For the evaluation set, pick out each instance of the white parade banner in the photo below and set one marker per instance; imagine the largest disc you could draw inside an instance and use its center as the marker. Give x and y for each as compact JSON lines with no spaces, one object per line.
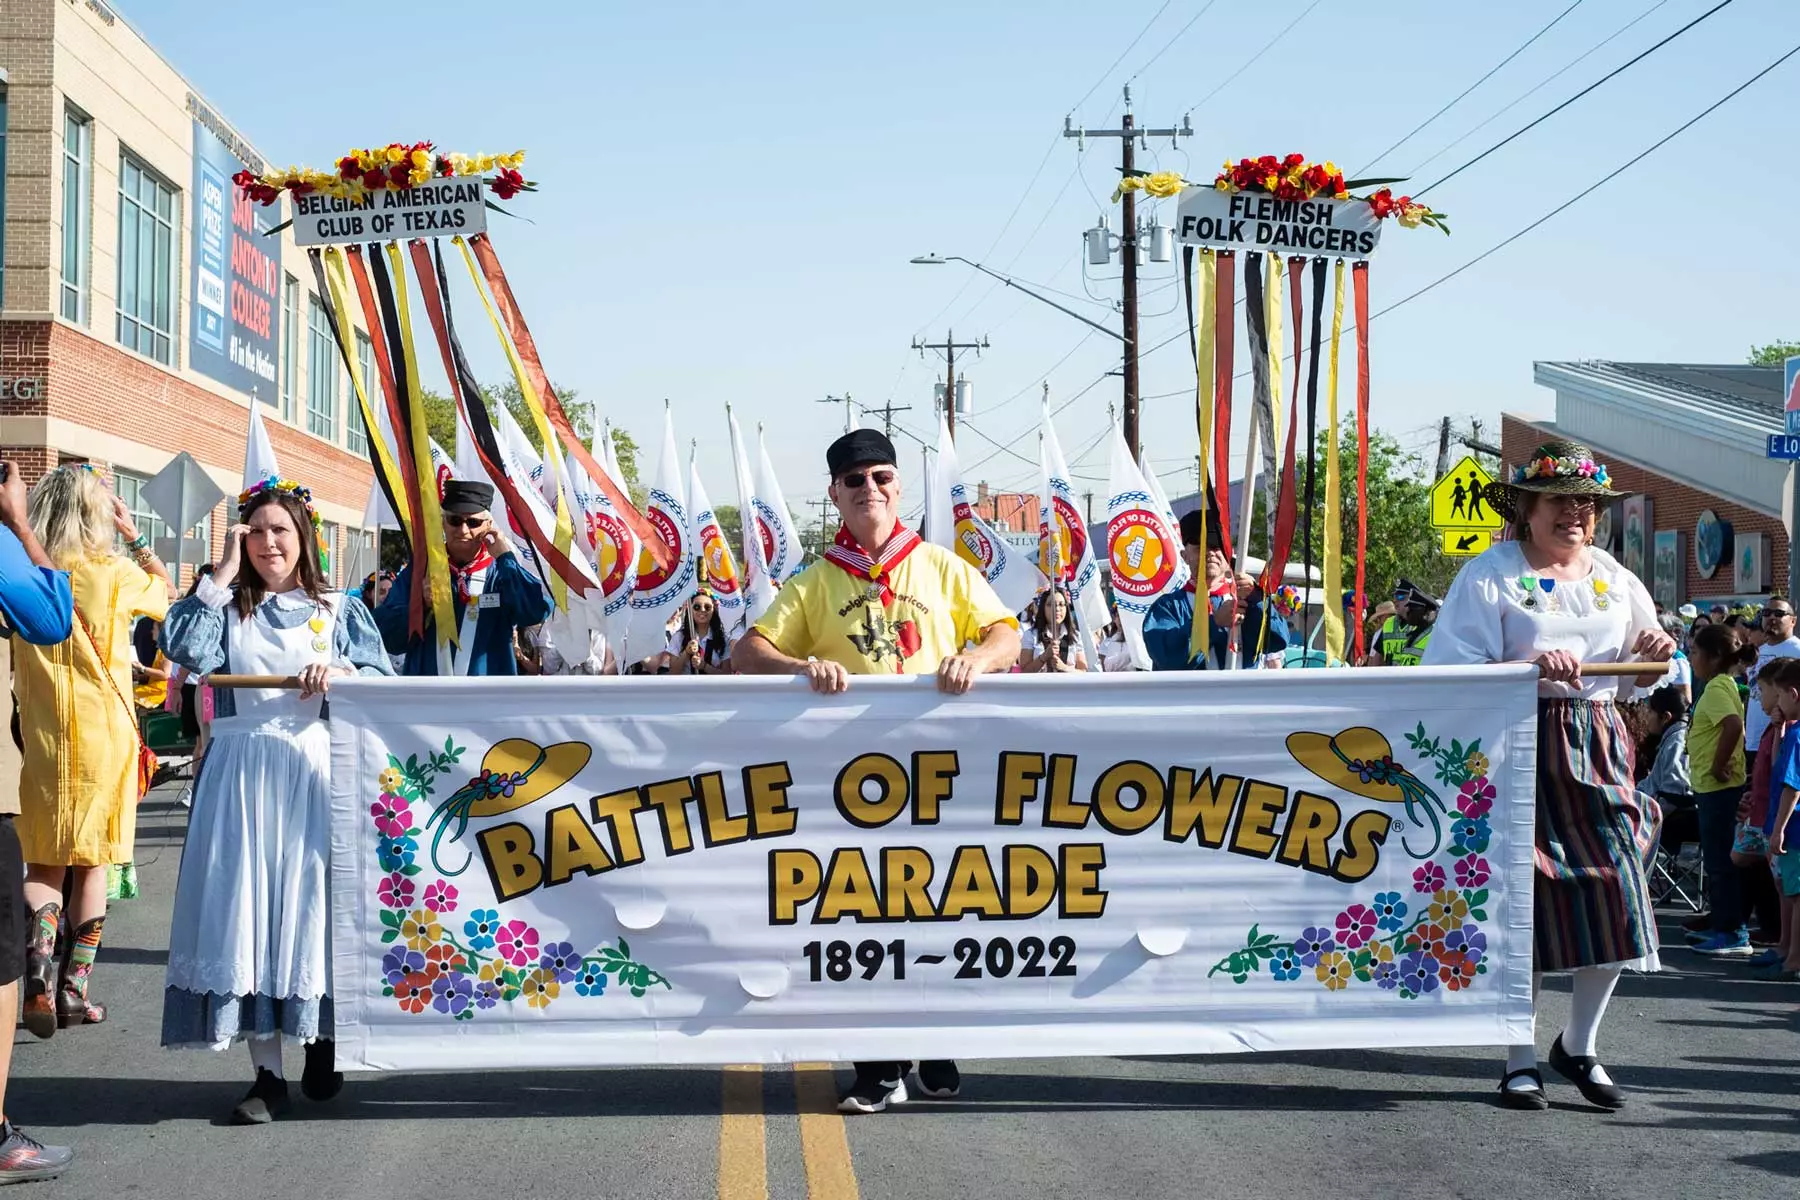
{"x":1258,"y":221}
{"x":583,"y":872}
{"x":438,"y":209}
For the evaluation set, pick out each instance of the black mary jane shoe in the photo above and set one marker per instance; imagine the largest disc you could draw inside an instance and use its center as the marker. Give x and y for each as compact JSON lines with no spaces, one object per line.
{"x":1531,"y":1099}
{"x":1579,"y":1071}
{"x":266,"y":1100}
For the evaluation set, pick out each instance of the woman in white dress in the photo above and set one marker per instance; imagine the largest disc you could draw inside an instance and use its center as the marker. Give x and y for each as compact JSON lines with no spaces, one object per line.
{"x":1549,"y":597}
{"x":247,"y":955}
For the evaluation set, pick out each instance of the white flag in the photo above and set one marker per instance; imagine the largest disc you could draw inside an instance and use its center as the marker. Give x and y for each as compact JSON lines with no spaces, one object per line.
{"x":759,"y":591}
{"x":1063,"y":550}
{"x":716,"y":559}
{"x":774,"y":523}
{"x":466,"y":462}
{"x":1143,"y":543}
{"x":951,"y":522}
{"x":1182,"y":574}
{"x":614,"y":546}
{"x":259,"y":455}
{"x":660,"y":591}
{"x":517,"y":459}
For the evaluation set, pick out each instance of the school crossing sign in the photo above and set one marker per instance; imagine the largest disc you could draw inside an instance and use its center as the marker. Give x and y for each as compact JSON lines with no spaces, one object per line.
{"x":1460,"y":510}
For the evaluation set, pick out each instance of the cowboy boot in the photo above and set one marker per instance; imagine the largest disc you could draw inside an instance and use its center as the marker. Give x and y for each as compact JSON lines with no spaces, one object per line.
{"x":72,"y":1004}
{"x":40,"y":961}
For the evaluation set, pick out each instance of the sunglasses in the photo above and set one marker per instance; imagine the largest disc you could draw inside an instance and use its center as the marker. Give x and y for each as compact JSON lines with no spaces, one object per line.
{"x":702,"y":606}
{"x":472,"y":522}
{"x":855,"y":479}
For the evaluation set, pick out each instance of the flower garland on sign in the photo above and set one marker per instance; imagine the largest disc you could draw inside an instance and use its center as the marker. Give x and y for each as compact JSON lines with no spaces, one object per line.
{"x":1563,"y":468}
{"x":393,"y":167}
{"x":1292,"y":178}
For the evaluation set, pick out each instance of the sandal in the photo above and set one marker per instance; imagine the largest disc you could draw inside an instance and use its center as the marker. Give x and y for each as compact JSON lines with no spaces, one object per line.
{"x":1532,"y":1098}
{"x":1579,"y":1071}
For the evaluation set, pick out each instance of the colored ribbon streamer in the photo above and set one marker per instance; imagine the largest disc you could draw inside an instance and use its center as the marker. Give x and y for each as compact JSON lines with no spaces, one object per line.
{"x":1224,"y":343}
{"x":552,"y":407}
{"x":1312,"y":425}
{"x":1200,"y":634}
{"x":1286,"y":509}
{"x":434,"y":287}
{"x":1334,"y":514}
{"x":373,"y":322}
{"x":431,"y":515}
{"x":565,"y":527}
{"x":1271,"y":476}
{"x":1359,"y":277}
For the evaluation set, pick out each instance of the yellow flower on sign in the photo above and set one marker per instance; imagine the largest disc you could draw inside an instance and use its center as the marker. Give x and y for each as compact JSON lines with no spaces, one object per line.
{"x":1334,"y":971}
{"x":394,"y":155}
{"x":1163,"y":183}
{"x":540,"y":988}
{"x":1412,"y":215}
{"x":1476,"y":763}
{"x":421,"y":160}
{"x":513,"y":161}
{"x":420,"y":929}
{"x":492,"y":970}
{"x":390,"y":779}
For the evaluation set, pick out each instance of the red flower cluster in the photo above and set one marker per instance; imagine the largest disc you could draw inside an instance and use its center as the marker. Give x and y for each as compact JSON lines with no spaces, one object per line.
{"x":1289,"y":178}
{"x":255,"y":188}
{"x":508,"y":183}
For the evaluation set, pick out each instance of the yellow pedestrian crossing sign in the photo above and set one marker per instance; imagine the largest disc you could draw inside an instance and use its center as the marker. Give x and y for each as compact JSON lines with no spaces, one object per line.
{"x":1457,"y":502}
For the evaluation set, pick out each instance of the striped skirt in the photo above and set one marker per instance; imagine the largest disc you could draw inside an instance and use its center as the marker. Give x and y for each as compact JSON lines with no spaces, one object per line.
{"x":1595,"y":835}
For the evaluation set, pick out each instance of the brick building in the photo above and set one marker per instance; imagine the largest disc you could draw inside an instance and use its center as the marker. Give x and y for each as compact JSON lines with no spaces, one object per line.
{"x":142,"y":309}
{"x":1687,"y":444}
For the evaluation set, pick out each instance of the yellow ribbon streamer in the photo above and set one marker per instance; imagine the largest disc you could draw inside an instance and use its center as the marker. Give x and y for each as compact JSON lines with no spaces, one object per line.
{"x":1206,"y":351}
{"x":565,"y":526}
{"x":431,"y":515}
{"x":338,"y":281}
{"x":1334,"y":552}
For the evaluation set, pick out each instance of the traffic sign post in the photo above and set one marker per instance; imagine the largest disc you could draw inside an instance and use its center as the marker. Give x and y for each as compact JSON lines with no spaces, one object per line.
{"x":1784,"y":445}
{"x":181,"y":494}
{"x":1461,"y":512}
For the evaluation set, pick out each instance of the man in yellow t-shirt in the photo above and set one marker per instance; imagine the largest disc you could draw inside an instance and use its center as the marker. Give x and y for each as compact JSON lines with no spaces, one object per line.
{"x":881,"y":602}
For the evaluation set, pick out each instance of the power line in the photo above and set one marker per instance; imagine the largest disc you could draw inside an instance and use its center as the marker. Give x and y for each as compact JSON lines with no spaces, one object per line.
{"x":1542,"y":84}
{"x":1462,"y":94}
{"x":1257,"y":57}
{"x":1614,"y":73}
{"x":1178,"y":35}
{"x":1127,"y":50}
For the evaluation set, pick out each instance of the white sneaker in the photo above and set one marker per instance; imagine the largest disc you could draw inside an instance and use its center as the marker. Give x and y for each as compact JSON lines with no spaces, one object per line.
{"x":873,"y":1095}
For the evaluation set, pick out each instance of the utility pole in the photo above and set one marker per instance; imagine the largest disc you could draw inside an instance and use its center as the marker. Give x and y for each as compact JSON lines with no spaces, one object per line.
{"x":823,"y":504}
{"x":948,"y":348}
{"x":1129,"y":133}
{"x":887,"y":412}
{"x":1443,"y":464}
{"x":843,"y":400}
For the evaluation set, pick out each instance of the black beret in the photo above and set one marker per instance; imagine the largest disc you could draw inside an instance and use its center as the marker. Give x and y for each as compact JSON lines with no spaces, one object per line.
{"x":858,"y":448}
{"x":465,"y":496}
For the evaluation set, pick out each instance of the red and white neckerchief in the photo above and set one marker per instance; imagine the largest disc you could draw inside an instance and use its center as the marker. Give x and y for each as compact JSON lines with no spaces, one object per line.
{"x":847,"y":553}
{"x":461,"y":577}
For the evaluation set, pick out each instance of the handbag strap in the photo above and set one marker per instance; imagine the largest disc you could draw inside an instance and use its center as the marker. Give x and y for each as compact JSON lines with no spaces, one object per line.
{"x":106,"y":670}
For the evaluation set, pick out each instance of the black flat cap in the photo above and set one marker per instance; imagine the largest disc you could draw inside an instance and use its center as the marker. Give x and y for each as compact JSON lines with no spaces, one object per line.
{"x":465,"y":496}
{"x":858,"y":448}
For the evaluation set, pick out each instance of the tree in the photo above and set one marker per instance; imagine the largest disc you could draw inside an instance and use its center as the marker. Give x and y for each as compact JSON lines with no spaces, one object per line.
{"x":1773,"y":354}
{"x":731,"y":528}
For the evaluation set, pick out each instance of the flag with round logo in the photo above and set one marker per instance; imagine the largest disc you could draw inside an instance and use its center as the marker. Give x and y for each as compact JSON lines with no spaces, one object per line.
{"x":1064,"y":554}
{"x":774,"y":523}
{"x":659,"y":591}
{"x":759,"y":588}
{"x":718,"y":566}
{"x":609,"y":540}
{"x":1143,"y":544}
{"x":951,"y":522}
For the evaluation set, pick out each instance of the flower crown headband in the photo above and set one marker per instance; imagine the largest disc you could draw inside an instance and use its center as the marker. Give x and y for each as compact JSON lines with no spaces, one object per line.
{"x":302,"y":494}
{"x":1563,"y":468}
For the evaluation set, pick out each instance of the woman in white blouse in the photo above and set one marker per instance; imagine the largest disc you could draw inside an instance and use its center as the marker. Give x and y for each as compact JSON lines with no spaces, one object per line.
{"x":1549,"y":597}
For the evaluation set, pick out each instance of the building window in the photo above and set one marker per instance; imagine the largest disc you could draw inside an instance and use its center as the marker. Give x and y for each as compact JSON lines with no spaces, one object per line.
{"x":321,"y":372}
{"x":356,"y":433}
{"x":78,"y":183}
{"x":289,"y":368}
{"x":146,"y":261}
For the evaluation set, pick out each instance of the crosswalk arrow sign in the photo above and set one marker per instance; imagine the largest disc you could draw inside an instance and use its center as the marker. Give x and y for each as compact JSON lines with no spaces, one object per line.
{"x":1457,"y":501}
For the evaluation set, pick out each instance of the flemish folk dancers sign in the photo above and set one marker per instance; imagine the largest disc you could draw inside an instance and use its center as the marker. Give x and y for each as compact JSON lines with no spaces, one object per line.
{"x":543,"y":873}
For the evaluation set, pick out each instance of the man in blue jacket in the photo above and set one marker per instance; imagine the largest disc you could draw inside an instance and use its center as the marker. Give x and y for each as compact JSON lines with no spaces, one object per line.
{"x":35,"y":605}
{"x":1171,"y":617}
{"x":494,"y":595}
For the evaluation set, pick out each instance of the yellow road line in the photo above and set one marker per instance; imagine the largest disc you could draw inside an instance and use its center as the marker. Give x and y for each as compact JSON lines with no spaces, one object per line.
{"x":743,"y":1163}
{"x":829,"y":1172}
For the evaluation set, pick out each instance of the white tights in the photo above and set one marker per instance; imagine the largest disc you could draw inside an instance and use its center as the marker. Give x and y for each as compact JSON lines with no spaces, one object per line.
{"x":265,"y":1054}
{"x":1592,"y":991}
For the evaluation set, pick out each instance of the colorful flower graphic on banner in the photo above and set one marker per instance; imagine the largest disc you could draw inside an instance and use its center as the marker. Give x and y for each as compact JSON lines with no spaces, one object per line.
{"x":455,"y":962}
{"x":1409,"y":943}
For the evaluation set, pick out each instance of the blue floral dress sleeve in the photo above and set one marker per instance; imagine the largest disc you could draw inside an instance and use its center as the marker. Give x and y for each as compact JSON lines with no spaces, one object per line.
{"x":193,"y":632}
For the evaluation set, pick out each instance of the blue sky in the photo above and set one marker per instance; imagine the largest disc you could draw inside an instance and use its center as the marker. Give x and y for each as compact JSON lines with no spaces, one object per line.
{"x":730,"y":193}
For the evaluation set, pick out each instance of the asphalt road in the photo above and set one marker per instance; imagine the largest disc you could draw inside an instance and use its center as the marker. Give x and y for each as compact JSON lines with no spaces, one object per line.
{"x":1713,"y":1062}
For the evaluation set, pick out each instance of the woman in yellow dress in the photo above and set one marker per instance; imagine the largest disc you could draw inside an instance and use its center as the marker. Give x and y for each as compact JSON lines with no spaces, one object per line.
{"x":78,"y":791}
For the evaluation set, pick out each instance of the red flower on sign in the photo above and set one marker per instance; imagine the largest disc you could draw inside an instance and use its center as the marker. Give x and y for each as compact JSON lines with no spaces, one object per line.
{"x":508,"y":184}
{"x":1382,"y":203}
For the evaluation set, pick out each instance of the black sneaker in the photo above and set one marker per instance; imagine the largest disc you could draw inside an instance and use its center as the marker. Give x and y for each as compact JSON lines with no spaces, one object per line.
{"x":321,"y":1080}
{"x":871,"y":1095}
{"x":24,"y":1159}
{"x":939,"y":1079}
{"x":266,"y":1100}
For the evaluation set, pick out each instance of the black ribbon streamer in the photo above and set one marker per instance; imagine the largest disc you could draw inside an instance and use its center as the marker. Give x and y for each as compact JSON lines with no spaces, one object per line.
{"x":331,"y":315}
{"x":1312,"y":428}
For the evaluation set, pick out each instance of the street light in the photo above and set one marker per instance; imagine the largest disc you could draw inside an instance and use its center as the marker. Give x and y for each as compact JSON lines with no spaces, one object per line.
{"x":933,"y":260}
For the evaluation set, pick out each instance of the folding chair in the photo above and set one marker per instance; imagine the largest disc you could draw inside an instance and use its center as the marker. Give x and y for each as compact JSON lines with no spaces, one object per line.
{"x":1677,"y":872}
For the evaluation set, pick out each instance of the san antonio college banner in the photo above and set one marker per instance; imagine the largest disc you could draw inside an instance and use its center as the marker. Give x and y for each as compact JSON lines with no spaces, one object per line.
{"x":563,"y":873}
